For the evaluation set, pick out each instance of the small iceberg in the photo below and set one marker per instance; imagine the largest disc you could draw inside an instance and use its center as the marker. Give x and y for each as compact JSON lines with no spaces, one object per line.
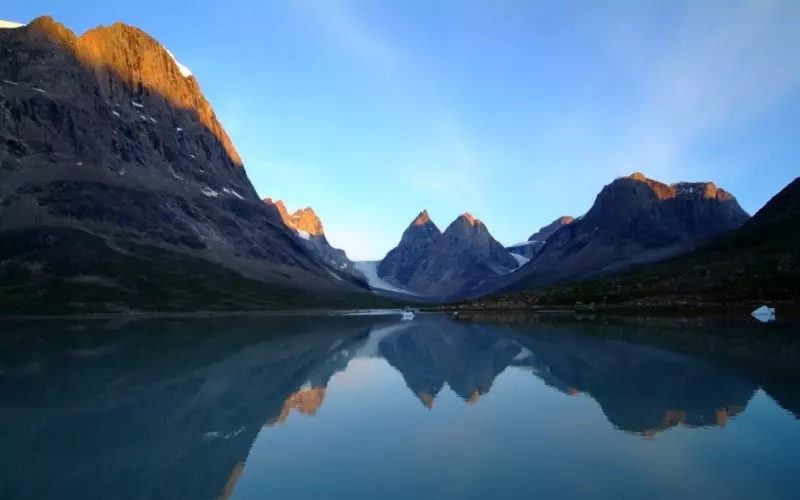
{"x":764,"y":314}
{"x":407,"y":315}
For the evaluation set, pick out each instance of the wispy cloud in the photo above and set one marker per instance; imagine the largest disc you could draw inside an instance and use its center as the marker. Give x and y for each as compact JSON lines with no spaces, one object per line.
{"x":349,"y":30}
{"x":721,"y":67}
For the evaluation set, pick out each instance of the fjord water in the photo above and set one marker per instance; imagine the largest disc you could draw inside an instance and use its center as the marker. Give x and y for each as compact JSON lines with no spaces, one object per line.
{"x":371,"y":407}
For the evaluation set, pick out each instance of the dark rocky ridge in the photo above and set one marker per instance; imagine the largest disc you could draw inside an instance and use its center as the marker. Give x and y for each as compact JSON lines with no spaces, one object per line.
{"x":464,"y":255}
{"x":441,"y":265}
{"x":102,"y":134}
{"x":756,"y":264}
{"x":633,"y":220}
{"x":308,"y":226}
{"x":537,"y":240}
{"x":400,"y":264}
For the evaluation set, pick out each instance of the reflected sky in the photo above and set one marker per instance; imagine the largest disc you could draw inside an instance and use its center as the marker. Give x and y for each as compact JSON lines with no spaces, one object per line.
{"x":366,"y":407}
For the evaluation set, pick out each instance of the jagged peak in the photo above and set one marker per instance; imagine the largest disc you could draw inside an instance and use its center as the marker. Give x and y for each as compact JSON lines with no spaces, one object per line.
{"x":427,"y":399}
{"x":422,"y":219}
{"x":664,"y":191}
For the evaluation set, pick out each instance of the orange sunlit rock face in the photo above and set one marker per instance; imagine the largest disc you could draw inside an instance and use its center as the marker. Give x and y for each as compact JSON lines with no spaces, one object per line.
{"x":123,"y":54}
{"x":426,"y":399}
{"x":305,"y":401}
{"x":422,"y":219}
{"x":227,"y":491}
{"x":472,"y":220}
{"x":301,"y":220}
{"x":707,"y":190}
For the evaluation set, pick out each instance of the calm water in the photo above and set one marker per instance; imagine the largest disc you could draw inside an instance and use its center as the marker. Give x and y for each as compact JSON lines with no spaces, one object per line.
{"x":370,"y":407}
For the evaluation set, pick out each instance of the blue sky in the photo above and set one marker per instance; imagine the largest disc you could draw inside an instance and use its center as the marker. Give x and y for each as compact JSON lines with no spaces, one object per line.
{"x":516,"y":111}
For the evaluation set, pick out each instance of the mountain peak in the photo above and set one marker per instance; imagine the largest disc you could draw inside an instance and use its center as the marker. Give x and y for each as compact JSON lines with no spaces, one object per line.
{"x":306,"y":220}
{"x":637,"y":176}
{"x":469,"y":217}
{"x":565,"y":219}
{"x":422,"y":219}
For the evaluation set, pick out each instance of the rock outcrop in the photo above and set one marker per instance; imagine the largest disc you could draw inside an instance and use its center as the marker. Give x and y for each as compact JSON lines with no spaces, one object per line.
{"x":308,"y":227}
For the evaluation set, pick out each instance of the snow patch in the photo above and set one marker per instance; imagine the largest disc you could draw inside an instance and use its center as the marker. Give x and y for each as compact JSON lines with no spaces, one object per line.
{"x":525,"y":243}
{"x":524,"y":353}
{"x":521,"y":260}
{"x":178,"y":129}
{"x":183,"y":69}
{"x":153,"y":120}
{"x":335,"y":275}
{"x":234,"y":193}
{"x":142,"y":117}
{"x":9,"y":82}
{"x":137,"y":105}
{"x":303,"y":235}
{"x":209,"y":192}
{"x":370,"y":271}
{"x":37,"y":89}
{"x":10,"y":25}
{"x":115,"y":113}
{"x":193,"y":156}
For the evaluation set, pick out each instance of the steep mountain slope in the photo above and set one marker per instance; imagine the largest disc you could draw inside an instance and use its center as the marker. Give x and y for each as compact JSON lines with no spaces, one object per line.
{"x":308,"y":226}
{"x":464,"y":255}
{"x":755,"y":264}
{"x":632,"y":221}
{"x":400,"y":264}
{"x":112,"y":159}
{"x":537,"y":240}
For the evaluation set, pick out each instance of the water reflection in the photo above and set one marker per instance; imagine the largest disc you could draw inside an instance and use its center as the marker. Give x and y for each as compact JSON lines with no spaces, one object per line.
{"x":171,"y":410}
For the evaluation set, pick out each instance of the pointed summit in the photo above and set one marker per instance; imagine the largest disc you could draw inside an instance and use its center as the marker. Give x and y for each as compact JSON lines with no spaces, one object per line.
{"x":422,"y":219}
{"x":306,"y":220}
{"x":469,"y":218}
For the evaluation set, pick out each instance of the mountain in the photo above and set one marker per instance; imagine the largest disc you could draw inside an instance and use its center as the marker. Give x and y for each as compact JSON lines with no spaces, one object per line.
{"x":120,"y":189}
{"x":400,"y":264}
{"x":742,"y":269}
{"x":537,"y":240}
{"x":308,"y":227}
{"x":633,"y":220}
{"x":464,"y":256}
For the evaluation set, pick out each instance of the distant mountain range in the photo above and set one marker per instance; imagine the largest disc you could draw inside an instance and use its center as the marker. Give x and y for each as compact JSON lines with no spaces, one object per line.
{"x":120,"y":190}
{"x":756,"y":263}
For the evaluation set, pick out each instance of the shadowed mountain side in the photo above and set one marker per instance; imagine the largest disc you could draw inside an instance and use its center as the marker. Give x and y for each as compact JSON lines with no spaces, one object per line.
{"x":640,"y":389}
{"x":182,"y":407}
{"x":766,"y":354}
{"x":106,"y":147}
{"x":633,"y":220}
{"x":435,"y":352}
{"x":742,"y":269}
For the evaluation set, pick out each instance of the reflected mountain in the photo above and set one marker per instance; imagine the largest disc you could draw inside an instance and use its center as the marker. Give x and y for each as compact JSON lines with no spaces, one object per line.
{"x":640,"y":389}
{"x":150,"y":410}
{"x":170,"y":410}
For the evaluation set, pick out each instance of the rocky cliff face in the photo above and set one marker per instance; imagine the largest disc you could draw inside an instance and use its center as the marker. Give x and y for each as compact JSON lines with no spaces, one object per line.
{"x":537,"y":240}
{"x":400,"y":264}
{"x":632,"y":221}
{"x":104,"y":137}
{"x":464,"y":256}
{"x":308,"y":227}
{"x":443,"y":265}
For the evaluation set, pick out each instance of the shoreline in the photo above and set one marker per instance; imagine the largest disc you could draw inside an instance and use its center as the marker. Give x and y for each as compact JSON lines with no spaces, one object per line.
{"x":198,"y":314}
